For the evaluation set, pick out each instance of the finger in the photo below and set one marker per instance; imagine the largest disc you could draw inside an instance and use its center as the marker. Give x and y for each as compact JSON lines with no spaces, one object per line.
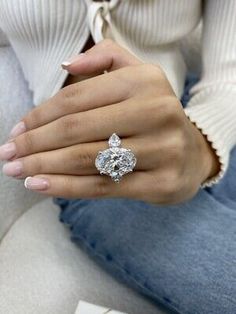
{"x":95,"y":92}
{"x":89,"y":126}
{"x":79,"y":159}
{"x":105,"y":56}
{"x":147,"y":186}
{"x":95,"y":186}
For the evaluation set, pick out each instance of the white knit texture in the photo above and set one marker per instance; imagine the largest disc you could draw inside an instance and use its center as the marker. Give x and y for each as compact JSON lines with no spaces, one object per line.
{"x":45,"y":33}
{"x":213,"y":105}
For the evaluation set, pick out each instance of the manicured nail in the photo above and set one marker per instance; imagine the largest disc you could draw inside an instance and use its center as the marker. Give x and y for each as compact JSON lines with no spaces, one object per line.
{"x":65,"y":64}
{"x":38,"y":184}
{"x":7,"y":151}
{"x":72,"y":60}
{"x":18,"y":129}
{"x":13,"y":168}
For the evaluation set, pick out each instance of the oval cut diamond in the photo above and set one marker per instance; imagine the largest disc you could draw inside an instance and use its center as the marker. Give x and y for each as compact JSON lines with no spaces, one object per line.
{"x":115,"y":162}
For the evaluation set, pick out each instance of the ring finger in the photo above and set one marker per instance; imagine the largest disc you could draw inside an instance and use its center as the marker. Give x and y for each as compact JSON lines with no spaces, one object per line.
{"x":77,"y":160}
{"x":90,"y":126}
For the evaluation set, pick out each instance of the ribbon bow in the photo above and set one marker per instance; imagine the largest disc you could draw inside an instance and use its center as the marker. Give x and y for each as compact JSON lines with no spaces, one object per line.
{"x":98,"y":16}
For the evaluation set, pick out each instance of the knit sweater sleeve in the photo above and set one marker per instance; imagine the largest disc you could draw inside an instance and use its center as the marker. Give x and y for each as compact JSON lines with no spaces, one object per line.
{"x":213,"y":104}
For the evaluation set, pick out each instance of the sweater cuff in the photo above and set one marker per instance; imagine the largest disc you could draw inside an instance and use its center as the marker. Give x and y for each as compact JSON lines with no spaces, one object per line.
{"x":213,"y":111}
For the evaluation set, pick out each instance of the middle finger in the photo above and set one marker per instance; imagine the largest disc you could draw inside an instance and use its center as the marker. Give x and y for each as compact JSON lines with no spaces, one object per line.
{"x":124,"y":119}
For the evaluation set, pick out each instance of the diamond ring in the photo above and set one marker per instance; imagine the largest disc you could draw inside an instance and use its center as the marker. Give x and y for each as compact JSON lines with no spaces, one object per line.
{"x":115,"y":161}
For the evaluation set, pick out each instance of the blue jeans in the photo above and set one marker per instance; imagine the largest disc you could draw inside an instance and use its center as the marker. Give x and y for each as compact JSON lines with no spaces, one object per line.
{"x":182,"y":256}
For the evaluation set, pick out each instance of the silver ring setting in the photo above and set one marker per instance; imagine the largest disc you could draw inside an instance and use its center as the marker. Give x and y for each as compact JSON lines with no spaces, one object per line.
{"x":115,"y":161}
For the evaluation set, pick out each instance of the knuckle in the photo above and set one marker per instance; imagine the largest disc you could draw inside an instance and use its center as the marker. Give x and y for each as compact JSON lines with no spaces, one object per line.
{"x":65,"y":104}
{"x":156,"y":112}
{"x":67,"y":126}
{"x":166,"y":110}
{"x":174,"y":185}
{"x":67,"y":99}
{"x":67,"y":122}
{"x":181,"y":143}
{"x":101,"y":187}
{"x":172,"y":112}
{"x":177,"y":157}
{"x":109,"y":43}
{"x":34,"y":164}
{"x":82,"y":160}
{"x":151,"y":73}
{"x":69,"y":92}
{"x":25,"y":143}
{"x":68,"y":187}
{"x":33,"y":119}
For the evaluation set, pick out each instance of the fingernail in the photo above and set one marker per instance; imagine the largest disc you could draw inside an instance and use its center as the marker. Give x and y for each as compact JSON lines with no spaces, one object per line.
{"x":37,"y":184}
{"x":18,"y":129}
{"x":73,"y":59}
{"x":13,"y":168}
{"x":7,"y":151}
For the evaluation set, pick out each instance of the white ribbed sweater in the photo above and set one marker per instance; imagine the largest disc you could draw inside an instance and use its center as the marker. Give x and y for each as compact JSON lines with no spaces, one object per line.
{"x":44,"y":33}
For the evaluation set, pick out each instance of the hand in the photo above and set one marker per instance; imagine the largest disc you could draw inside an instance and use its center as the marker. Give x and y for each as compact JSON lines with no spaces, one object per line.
{"x":63,"y":136}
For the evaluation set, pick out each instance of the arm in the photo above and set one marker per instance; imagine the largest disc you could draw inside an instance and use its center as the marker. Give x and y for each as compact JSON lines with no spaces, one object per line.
{"x":213,"y":105}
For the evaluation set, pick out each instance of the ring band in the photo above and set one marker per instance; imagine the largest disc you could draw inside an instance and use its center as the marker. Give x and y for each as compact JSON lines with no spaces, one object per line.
{"x":115,"y":161}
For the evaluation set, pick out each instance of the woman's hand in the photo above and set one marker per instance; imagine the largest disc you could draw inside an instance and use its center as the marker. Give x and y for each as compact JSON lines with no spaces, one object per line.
{"x":63,"y":136}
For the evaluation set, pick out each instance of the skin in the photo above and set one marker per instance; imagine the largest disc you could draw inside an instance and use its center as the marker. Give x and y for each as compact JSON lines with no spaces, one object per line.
{"x":132,"y":99}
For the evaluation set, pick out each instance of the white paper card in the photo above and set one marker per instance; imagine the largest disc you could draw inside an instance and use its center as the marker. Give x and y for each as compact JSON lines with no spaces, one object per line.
{"x":88,"y":308}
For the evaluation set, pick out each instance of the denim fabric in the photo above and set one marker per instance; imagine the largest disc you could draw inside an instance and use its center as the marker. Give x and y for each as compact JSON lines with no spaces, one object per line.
{"x":182,"y":256}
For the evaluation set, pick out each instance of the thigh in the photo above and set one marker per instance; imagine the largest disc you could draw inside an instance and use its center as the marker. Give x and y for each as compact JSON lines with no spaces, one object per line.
{"x":181,"y":256}
{"x":41,"y":271}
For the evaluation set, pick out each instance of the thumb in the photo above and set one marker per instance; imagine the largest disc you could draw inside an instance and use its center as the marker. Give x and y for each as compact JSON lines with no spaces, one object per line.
{"x":105,"y":56}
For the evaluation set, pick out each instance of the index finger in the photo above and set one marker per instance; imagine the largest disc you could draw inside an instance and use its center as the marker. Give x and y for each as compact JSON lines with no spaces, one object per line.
{"x":103,"y":90}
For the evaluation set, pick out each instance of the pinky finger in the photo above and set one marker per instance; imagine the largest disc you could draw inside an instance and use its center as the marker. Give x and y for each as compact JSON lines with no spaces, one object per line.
{"x":94,"y":186}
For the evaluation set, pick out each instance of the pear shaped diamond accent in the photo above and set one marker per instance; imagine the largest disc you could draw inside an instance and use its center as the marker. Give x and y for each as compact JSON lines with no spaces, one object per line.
{"x":115,"y":161}
{"x":114,"y":140}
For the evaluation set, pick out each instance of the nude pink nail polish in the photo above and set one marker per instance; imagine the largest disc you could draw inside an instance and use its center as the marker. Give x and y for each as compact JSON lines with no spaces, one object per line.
{"x":36,"y":184}
{"x":18,"y":129}
{"x":7,"y":151}
{"x":72,"y":60}
{"x":13,"y":168}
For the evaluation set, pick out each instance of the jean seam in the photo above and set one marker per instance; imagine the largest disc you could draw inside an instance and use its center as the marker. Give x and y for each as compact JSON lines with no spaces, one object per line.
{"x":127,"y":273}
